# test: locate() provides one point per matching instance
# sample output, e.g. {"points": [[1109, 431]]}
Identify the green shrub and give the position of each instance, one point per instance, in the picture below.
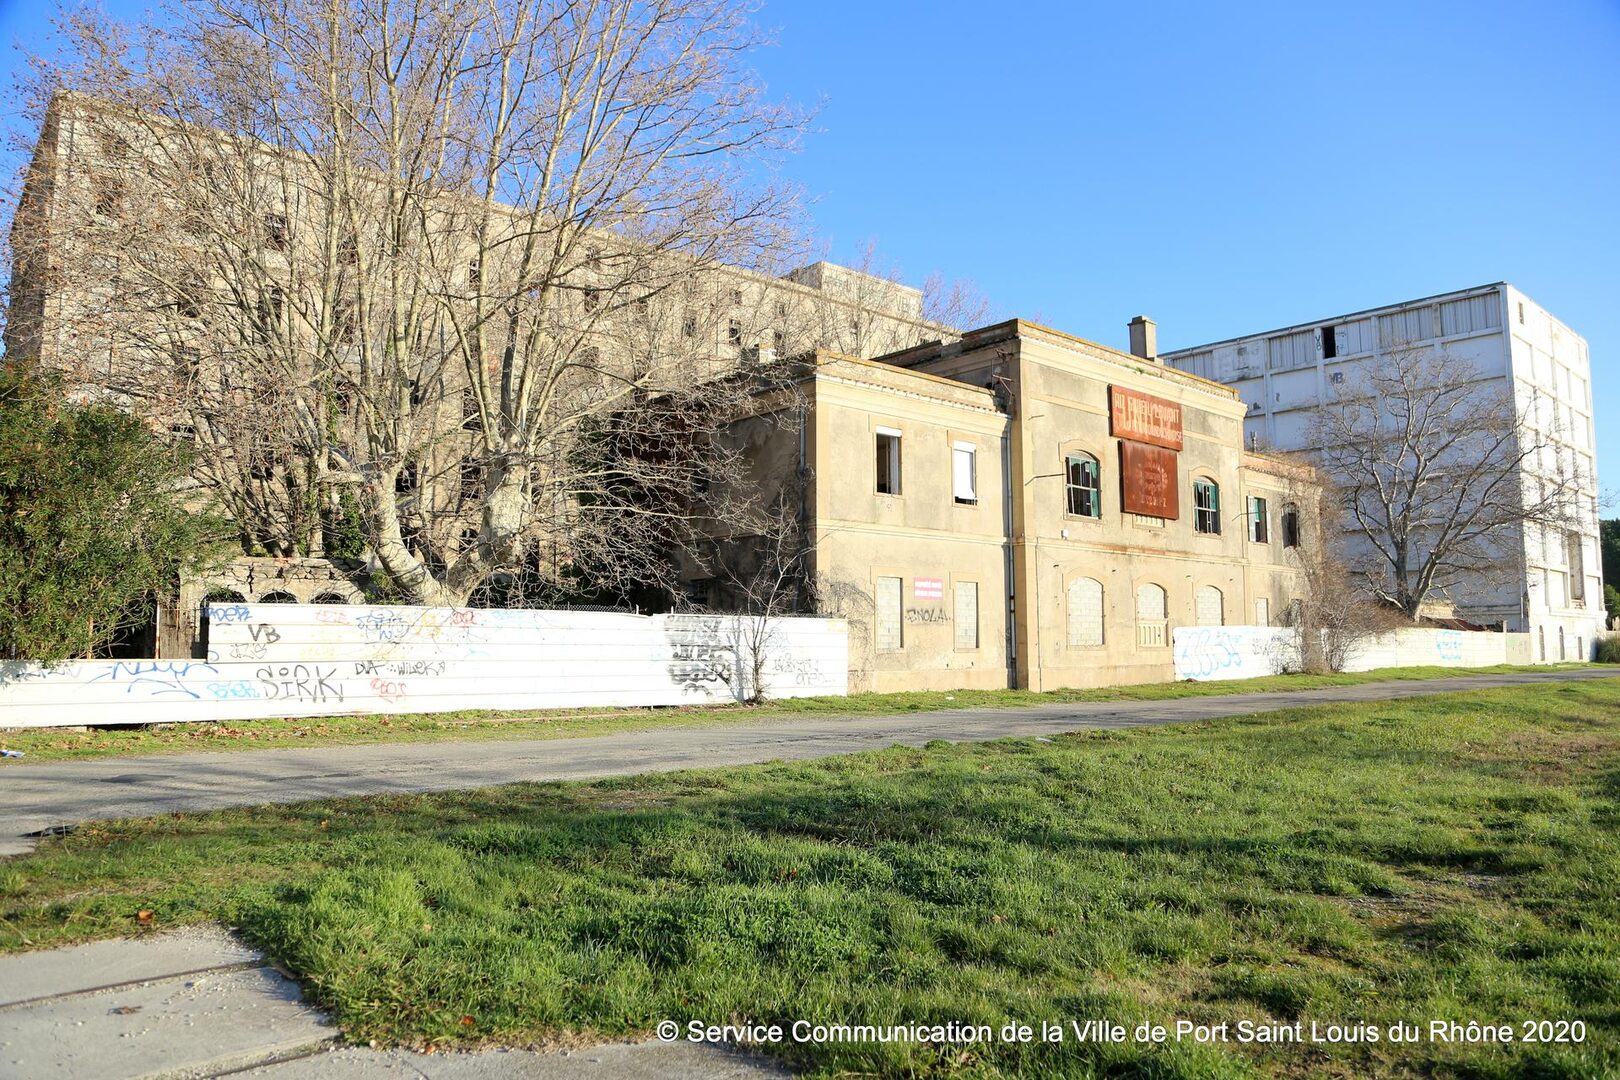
{"points": [[1608, 650]]}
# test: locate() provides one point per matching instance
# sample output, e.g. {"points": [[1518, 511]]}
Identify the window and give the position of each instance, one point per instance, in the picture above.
{"points": [[348, 252], [734, 332], [689, 325], [1152, 625], [472, 419], [967, 614], [1207, 507], [418, 392], [1209, 608], [109, 197], [1085, 614], [1574, 557], [1521, 323], [1561, 654], [591, 299], [472, 479], [890, 632], [188, 304], [1541, 632], [888, 461], [275, 231], [407, 481], [1083, 485], [736, 298], [1262, 612], [475, 273], [779, 342], [965, 473], [1290, 526], [1330, 342], [1259, 521]]}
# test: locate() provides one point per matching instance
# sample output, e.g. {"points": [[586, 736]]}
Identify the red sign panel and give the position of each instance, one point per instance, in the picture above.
{"points": [[1144, 418], [1148, 480]]}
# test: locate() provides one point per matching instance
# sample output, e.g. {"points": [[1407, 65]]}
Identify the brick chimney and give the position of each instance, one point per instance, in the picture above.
{"points": [[1145, 339]]}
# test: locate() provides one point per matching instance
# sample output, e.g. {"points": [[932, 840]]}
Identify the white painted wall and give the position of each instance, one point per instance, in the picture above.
{"points": [[1509, 337], [1245, 652], [271, 660]]}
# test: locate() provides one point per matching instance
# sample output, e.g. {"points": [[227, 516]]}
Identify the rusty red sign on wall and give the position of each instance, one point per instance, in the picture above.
{"points": [[1144, 418], [1148, 480]]}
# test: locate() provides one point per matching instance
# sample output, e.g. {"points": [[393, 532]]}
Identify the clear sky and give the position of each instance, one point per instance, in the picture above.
{"points": [[1223, 168]]}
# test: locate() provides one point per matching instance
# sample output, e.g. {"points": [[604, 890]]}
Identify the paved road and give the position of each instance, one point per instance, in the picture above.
{"points": [[41, 797]]}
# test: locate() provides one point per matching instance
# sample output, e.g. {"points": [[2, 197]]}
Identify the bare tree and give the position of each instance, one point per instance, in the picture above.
{"points": [[1431, 459], [1333, 614], [453, 267]]}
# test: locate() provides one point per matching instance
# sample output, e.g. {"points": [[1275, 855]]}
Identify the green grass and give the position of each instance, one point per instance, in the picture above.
{"points": [[56, 744], [1442, 857]]}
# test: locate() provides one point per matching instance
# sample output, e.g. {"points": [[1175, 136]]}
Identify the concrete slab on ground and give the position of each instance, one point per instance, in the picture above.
{"points": [[198, 1003], [618, 1061]]}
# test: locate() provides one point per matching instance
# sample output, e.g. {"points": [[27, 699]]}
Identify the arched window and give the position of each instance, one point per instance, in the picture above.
{"points": [[330, 598], [1208, 607], [1085, 613], [1082, 485], [1206, 506], [1152, 626], [278, 597]]}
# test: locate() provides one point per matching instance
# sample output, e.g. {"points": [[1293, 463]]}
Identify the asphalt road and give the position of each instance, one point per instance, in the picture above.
{"points": [[49, 796]]}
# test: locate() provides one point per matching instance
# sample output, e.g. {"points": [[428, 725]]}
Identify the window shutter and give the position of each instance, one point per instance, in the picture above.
{"points": [[964, 478]]}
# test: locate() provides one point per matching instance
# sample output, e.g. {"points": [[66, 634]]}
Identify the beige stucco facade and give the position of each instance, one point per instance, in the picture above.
{"points": [[1011, 587]]}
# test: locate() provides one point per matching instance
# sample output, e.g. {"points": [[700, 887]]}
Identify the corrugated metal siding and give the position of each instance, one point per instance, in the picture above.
{"points": [[1406, 326], [1470, 315], [1291, 350]]}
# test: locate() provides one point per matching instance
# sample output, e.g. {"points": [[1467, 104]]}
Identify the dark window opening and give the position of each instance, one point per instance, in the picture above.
{"points": [[888, 463], [471, 418], [734, 332], [1083, 486], [1206, 507], [408, 479], [1330, 342], [1290, 527], [275, 231]]}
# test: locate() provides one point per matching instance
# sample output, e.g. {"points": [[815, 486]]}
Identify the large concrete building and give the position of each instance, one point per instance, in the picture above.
{"points": [[1551, 586], [1025, 508]]}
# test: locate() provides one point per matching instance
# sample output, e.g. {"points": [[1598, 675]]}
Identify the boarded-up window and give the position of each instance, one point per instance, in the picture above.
{"points": [[1085, 613], [1262, 612], [1209, 609], [1152, 626], [890, 632], [1292, 350], [1470, 315], [967, 615], [1404, 327], [965, 473]]}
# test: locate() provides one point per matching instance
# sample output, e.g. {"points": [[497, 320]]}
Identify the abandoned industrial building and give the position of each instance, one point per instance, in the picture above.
{"points": [[1006, 506]]}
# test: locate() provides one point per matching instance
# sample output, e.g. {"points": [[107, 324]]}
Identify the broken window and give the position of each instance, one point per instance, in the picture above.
{"points": [[1082, 486], [1290, 526], [1259, 521], [1206, 507]]}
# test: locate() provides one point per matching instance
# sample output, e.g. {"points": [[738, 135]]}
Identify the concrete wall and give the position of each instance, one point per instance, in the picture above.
{"points": [[1247, 652], [270, 660]]}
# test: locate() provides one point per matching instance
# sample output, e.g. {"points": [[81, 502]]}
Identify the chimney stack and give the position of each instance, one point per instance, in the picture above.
{"points": [[1145, 339]]}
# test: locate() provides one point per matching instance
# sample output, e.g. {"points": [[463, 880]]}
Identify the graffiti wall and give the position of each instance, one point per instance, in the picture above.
{"points": [[1246, 652], [269, 660]]}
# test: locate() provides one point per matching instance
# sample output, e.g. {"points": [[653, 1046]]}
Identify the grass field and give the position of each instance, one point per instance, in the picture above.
{"points": [[56, 744], [1451, 857]]}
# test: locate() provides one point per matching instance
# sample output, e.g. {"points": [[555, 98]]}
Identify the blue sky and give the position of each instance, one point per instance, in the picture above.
{"points": [[1222, 168]]}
